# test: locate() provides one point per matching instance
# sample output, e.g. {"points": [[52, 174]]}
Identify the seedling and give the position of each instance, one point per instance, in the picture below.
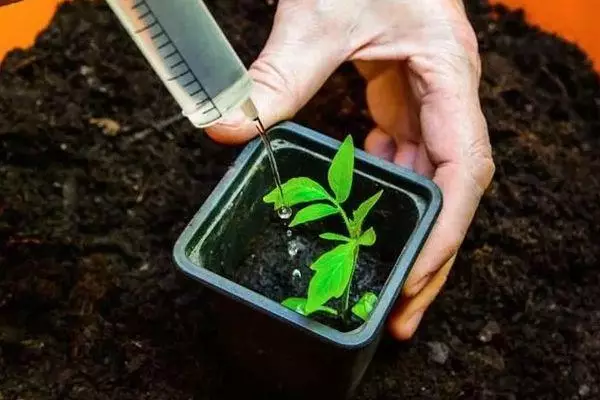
{"points": [[334, 269]]}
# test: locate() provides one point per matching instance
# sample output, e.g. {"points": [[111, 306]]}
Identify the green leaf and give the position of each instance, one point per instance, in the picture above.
{"points": [[298, 305], [368, 238], [365, 305], [334, 269], [334, 236], [296, 191], [341, 170], [312, 213], [359, 215]]}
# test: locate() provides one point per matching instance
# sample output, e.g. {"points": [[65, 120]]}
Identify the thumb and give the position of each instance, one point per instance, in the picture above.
{"points": [[294, 64]]}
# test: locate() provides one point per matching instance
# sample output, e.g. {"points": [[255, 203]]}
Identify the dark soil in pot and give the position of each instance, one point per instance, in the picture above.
{"points": [[89, 304], [277, 266]]}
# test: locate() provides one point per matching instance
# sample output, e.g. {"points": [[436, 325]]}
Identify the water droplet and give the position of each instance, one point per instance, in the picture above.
{"points": [[296, 274], [293, 248], [284, 212], [289, 233]]}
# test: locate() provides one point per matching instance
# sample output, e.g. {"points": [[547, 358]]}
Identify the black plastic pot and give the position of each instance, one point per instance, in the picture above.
{"points": [[273, 345]]}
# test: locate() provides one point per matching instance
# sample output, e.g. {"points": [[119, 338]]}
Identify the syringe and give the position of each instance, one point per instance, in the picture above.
{"points": [[186, 48]]}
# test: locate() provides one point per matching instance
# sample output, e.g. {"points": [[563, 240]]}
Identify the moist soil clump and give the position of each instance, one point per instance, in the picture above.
{"points": [[93, 195]]}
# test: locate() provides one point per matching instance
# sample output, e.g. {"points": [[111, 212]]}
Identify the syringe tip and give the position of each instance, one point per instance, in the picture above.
{"points": [[250, 110]]}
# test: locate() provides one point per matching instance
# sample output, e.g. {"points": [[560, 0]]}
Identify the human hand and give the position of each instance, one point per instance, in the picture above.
{"points": [[421, 64]]}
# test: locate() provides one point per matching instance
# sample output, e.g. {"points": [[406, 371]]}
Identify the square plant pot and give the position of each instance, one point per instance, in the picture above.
{"points": [[237, 246]]}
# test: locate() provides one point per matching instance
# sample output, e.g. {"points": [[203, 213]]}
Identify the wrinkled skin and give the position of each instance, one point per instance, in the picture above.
{"points": [[421, 63]]}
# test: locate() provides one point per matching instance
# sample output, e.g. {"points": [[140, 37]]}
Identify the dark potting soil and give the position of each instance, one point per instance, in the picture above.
{"points": [[278, 267], [89, 304]]}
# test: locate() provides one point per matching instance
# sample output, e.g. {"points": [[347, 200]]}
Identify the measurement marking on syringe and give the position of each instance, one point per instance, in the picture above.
{"points": [[179, 75], [165, 44], [177, 64], [144, 15], [147, 27], [171, 54], [195, 93], [157, 35], [153, 21], [190, 83]]}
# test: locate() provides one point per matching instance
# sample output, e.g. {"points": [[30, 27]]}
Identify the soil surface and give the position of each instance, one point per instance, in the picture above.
{"points": [[277, 265], [90, 205]]}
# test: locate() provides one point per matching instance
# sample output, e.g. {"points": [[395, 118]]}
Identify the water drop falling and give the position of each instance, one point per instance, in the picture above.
{"points": [[293, 248], [284, 212], [296, 274], [288, 233]]}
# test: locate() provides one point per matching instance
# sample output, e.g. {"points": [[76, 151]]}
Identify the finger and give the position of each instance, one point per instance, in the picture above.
{"points": [[406, 154], [390, 100], [297, 59], [460, 197], [380, 144], [422, 164], [455, 134], [407, 315]]}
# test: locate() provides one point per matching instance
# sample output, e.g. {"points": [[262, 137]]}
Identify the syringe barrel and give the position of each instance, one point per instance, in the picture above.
{"points": [[186, 48]]}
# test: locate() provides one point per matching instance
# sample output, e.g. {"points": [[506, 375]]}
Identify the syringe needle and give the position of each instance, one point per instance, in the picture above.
{"points": [[261, 127], [251, 112]]}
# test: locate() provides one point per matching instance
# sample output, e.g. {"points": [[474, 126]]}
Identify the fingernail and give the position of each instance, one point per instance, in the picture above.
{"points": [[234, 119]]}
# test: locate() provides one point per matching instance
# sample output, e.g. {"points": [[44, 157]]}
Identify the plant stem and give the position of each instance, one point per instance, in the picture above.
{"points": [[345, 218], [347, 291], [354, 236]]}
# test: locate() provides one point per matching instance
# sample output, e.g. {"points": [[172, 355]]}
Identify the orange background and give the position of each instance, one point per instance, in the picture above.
{"points": [[20, 22], [575, 20]]}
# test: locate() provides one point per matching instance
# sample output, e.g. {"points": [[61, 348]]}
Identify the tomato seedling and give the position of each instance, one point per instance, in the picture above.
{"points": [[334, 269]]}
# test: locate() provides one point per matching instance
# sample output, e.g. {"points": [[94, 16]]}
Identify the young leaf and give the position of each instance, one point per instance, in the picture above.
{"points": [[312, 213], [298, 304], [368, 238], [361, 212], [363, 307], [334, 269], [334, 236], [296, 191], [341, 170]]}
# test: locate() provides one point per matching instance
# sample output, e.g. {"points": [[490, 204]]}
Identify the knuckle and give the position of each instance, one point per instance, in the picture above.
{"points": [[482, 154], [488, 169], [482, 173]]}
